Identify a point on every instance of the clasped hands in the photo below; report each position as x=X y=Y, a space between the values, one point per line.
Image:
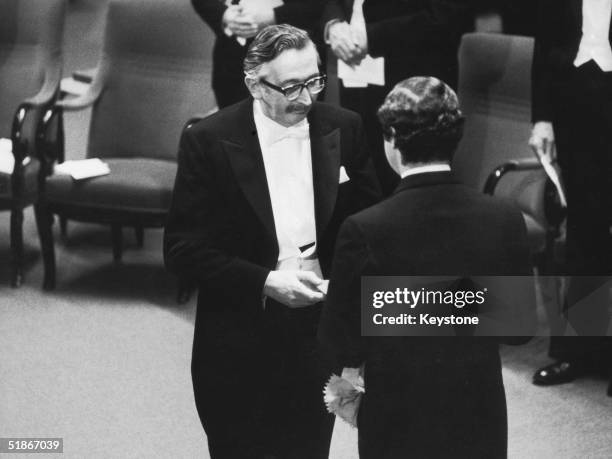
x=295 y=289
x=346 y=44
x=245 y=21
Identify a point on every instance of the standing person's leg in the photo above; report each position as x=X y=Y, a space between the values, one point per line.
x=582 y=132
x=230 y=406
x=298 y=424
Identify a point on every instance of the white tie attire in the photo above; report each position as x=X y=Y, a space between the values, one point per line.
x=358 y=25
x=288 y=165
x=426 y=169
x=595 y=41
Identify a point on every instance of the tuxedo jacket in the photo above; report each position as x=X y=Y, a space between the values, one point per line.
x=416 y=37
x=228 y=54
x=220 y=231
x=427 y=396
x=556 y=45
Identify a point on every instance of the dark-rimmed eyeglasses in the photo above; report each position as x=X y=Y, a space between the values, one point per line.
x=314 y=86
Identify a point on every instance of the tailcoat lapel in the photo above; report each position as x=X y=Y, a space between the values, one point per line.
x=245 y=157
x=325 y=152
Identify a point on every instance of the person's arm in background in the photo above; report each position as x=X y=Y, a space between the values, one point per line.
x=337 y=32
x=299 y=13
x=211 y=11
x=223 y=19
x=542 y=139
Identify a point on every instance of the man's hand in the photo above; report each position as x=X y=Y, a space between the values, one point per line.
x=343 y=45
x=240 y=25
x=259 y=17
x=542 y=141
x=295 y=289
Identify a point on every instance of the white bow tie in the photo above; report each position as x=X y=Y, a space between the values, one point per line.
x=301 y=131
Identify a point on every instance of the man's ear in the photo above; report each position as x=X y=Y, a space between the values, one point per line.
x=254 y=87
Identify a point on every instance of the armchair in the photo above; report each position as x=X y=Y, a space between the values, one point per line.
x=30 y=72
x=495 y=94
x=153 y=75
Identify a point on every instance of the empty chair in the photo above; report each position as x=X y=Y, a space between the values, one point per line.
x=495 y=94
x=30 y=72
x=152 y=77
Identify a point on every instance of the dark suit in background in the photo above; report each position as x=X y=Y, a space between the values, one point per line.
x=221 y=233
x=578 y=103
x=228 y=54
x=416 y=38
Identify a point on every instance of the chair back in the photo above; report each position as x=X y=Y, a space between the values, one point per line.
x=156 y=71
x=30 y=43
x=495 y=95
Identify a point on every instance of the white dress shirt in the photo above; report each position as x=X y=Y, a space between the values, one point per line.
x=595 y=41
x=358 y=25
x=424 y=169
x=288 y=164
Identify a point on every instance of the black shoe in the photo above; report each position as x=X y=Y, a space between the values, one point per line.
x=556 y=373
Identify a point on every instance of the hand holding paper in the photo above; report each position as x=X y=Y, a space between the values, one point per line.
x=542 y=141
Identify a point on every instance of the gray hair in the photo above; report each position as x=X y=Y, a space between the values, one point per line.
x=272 y=41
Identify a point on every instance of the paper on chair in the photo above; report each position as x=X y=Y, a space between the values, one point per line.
x=369 y=71
x=83 y=168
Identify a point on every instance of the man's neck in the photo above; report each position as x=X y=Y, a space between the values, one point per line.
x=420 y=168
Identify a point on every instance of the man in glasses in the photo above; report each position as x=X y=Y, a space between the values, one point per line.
x=261 y=189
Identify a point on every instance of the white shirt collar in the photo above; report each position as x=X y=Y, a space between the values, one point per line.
x=270 y=132
x=426 y=169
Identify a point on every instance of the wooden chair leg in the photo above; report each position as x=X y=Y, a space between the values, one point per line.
x=139 y=231
x=117 y=236
x=185 y=289
x=44 y=223
x=17 y=246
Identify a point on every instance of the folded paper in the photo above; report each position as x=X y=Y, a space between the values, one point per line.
x=83 y=169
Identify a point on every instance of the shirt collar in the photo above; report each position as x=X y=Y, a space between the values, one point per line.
x=270 y=132
x=425 y=169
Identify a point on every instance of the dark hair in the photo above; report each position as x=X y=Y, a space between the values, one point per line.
x=425 y=114
x=270 y=42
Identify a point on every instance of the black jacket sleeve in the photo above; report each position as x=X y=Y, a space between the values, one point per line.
x=211 y=11
x=196 y=244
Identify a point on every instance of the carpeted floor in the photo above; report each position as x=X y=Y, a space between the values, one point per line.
x=104 y=363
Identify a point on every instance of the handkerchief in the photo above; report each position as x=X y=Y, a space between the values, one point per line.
x=343 y=175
